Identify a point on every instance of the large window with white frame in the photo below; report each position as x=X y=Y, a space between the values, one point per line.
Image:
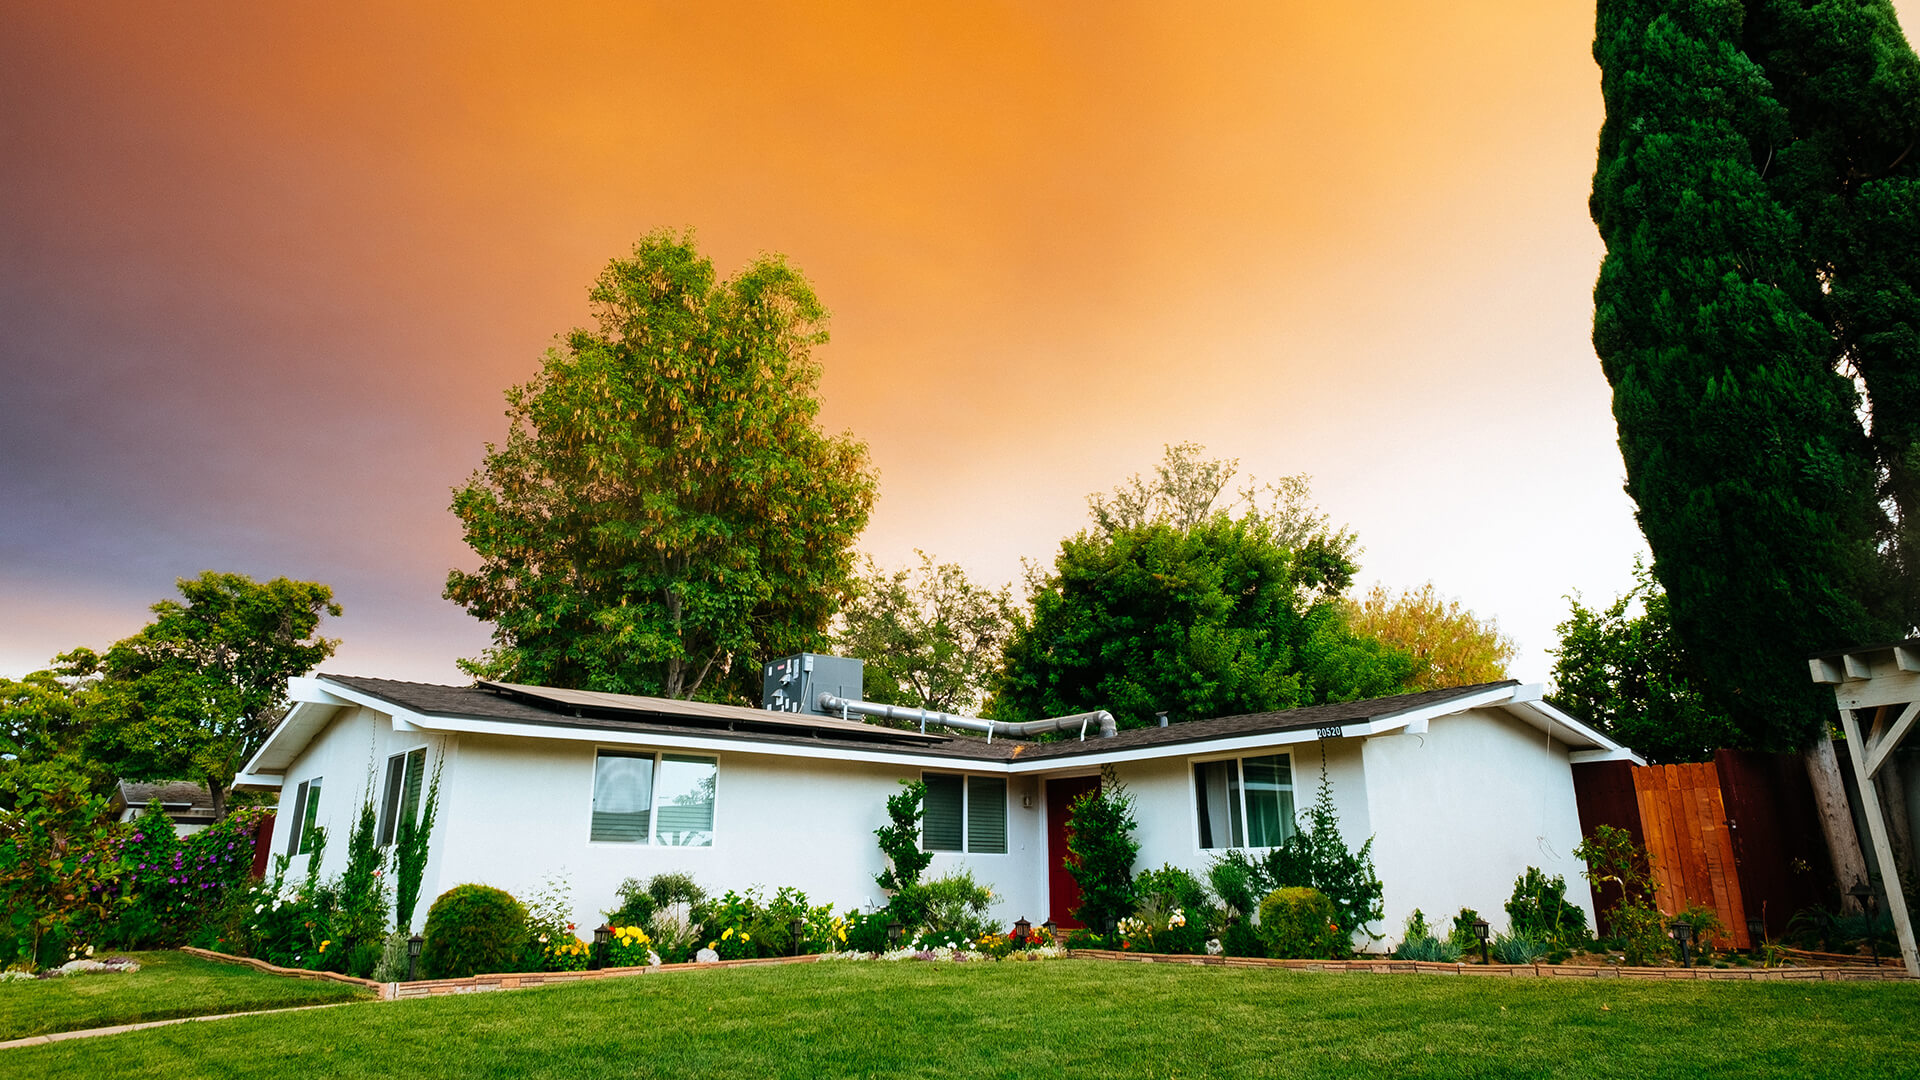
x=965 y=814
x=306 y=814
x=1244 y=802
x=406 y=773
x=648 y=797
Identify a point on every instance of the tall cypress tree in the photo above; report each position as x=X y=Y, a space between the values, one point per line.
x=1851 y=86
x=1752 y=477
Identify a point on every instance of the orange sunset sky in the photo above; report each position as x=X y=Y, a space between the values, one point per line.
x=266 y=269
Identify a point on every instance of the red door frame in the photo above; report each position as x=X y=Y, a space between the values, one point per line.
x=1063 y=893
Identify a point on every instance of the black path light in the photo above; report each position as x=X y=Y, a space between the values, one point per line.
x=893 y=933
x=602 y=935
x=1481 y=930
x=1683 y=937
x=414 y=944
x=1756 y=931
x=1021 y=928
x=1862 y=894
x=797 y=927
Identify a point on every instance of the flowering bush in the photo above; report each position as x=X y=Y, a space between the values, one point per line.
x=1152 y=929
x=165 y=887
x=743 y=925
x=630 y=947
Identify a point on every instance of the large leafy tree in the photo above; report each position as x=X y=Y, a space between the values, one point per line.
x=1185 y=608
x=929 y=636
x=197 y=692
x=1754 y=481
x=665 y=510
x=1454 y=647
x=1623 y=670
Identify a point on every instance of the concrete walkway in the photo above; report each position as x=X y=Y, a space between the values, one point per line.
x=62 y=1036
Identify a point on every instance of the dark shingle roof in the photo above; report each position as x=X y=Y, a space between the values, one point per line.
x=180 y=798
x=748 y=724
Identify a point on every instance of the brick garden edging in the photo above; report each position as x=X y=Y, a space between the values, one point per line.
x=517 y=980
x=1386 y=966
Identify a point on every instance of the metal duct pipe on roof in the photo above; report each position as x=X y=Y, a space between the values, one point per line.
x=832 y=704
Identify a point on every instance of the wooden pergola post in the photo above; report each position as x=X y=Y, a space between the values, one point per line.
x=1871 y=678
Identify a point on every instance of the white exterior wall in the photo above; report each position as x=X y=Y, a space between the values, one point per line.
x=1461 y=811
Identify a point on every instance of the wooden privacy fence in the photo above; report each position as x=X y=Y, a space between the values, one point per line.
x=1736 y=834
x=1684 y=821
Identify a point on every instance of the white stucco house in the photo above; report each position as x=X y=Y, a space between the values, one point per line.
x=1461 y=789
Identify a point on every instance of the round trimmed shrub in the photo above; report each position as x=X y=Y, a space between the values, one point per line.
x=1302 y=924
x=473 y=930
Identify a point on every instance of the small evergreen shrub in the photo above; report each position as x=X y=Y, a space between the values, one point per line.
x=1418 y=943
x=900 y=843
x=1242 y=938
x=1235 y=879
x=1299 y=923
x=473 y=930
x=1640 y=929
x=1100 y=836
x=1460 y=935
x=867 y=932
x=956 y=906
x=393 y=959
x=1516 y=949
x=1539 y=911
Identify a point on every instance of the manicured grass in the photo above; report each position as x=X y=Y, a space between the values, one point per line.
x=168 y=984
x=1057 y=1020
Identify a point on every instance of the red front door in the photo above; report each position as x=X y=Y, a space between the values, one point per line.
x=1063 y=893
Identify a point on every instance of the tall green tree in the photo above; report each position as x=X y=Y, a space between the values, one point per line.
x=1623 y=671
x=1184 y=608
x=1851 y=87
x=1754 y=483
x=665 y=511
x=1454 y=647
x=197 y=692
x=929 y=636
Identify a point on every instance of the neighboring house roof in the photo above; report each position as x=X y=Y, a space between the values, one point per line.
x=183 y=800
x=510 y=709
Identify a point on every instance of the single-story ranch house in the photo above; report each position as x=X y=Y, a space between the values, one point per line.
x=1462 y=789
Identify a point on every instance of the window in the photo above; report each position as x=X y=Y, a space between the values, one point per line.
x=306 y=811
x=1244 y=802
x=405 y=774
x=965 y=813
x=646 y=798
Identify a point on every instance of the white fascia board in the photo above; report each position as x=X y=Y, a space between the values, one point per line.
x=1582 y=740
x=258 y=781
x=456 y=725
x=1581 y=757
x=307 y=718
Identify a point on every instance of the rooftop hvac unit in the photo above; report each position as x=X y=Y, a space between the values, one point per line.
x=794 y=684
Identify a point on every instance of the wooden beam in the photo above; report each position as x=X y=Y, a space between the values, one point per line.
x=1856 y=666
x=1825 y=672
x=1906 y=658
x=1882 y=749
x=1882 y=847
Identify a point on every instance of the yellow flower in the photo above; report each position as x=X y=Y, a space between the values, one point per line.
x=746 y=937
x=727 y=934
x=324 y=944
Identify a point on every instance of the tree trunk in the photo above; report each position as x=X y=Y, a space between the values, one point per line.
x=218 y=791
x=1836 y=820
x=1893 y=803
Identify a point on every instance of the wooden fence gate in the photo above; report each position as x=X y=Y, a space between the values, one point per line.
x=1684 y=821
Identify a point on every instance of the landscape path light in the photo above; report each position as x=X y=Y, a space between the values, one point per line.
x=893 y=933
x=1683 y=936
x=1481 y=930
x=1053 y=931
x=1021 y=928
x=414 y=944
x=1756 y=930
x=601 y=936
x=1862 y=894
x=796 y=927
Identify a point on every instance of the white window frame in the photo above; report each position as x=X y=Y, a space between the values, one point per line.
x=305 y=810
x=966 y=814
x=653 y=811
x=1193 y=797
x=400 y=802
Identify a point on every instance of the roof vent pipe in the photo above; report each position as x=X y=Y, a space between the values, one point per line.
x=835 y=705
x=1162 y=716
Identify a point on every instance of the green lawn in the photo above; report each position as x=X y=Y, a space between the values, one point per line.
x=168 y=984
x=1054 y=1020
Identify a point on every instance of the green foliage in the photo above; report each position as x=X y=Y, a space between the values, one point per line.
x=1460 y=935
x=1300 y=923
x=1640 y=930
x=1175 y=906
x=168 y=889
x=410 y=852
x=1317 y=856
x=1628 y=676
x=900 y=843
x=1452 y=645
x=665 y=508
x=197 y=692
x=1177 y=601
x=867 y=932
x=1539 y=911
x=1619 y=868
x=743 y=925
x=930 y=638
x=1418 y=943
x=1237 y=881
x=473 y=930
x=1100 y=837
x=394 y=960
x=1517 y=948
x=363 y=887
x=957 y=906
x=1707 y=927
x=1754 y=480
